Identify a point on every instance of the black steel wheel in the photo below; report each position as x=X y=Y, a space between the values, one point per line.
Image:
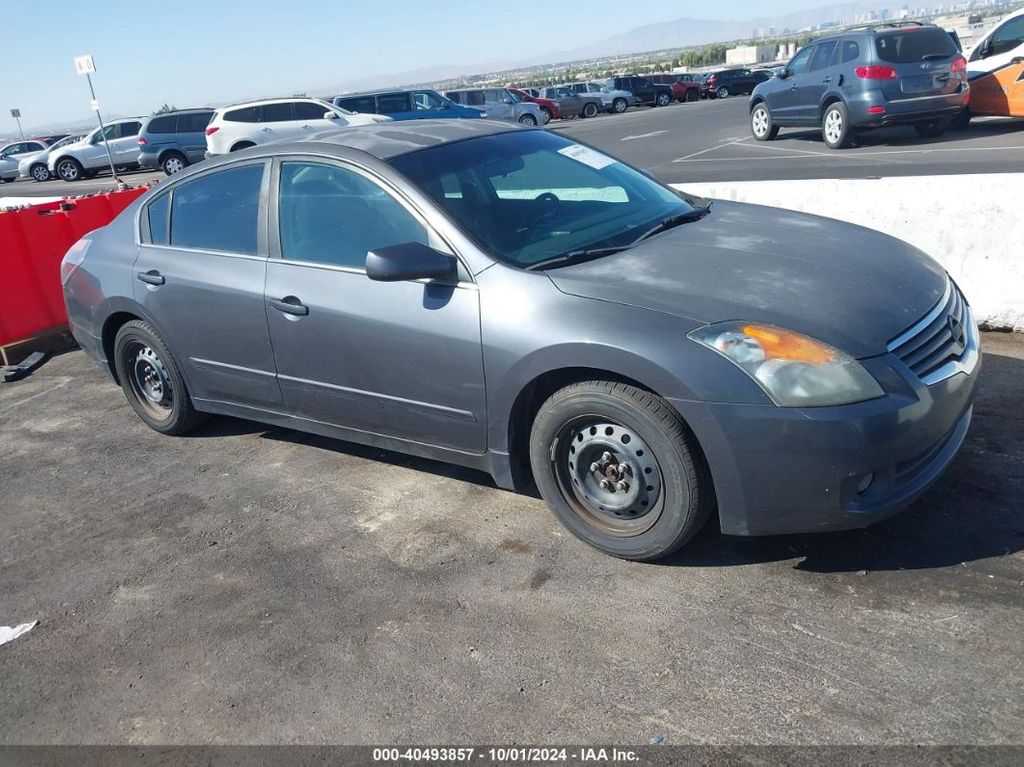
x=619 y=469
x=152 y=381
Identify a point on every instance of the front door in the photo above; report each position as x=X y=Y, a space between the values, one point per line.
x=398 y=359
x=784 y=99
x=996 y=70
x=815 y=82
x=201 y=269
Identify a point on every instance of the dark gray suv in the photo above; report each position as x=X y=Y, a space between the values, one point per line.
x=866 y=77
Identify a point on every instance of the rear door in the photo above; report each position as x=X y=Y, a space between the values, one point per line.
x=397 y=106
x=922 y=58
x=200 y=275
x=277 y=122
x=125 y=147
x=815 y=82
x=399 y=359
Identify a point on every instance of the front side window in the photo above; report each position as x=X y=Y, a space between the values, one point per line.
x=800 y=61
x=1007 y=37
x=308 y=110
x=427 y=100
x=527 y=197
x=330 y=215
x=218 y=211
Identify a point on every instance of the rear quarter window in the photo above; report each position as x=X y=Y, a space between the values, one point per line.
x=195 y=122
x=243 y=115
x=914 y=44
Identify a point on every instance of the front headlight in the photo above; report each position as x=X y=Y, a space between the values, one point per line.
x=794 y=370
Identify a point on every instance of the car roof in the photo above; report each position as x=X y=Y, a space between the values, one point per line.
x=261 y=102
x=391 y=139
x=182 y=111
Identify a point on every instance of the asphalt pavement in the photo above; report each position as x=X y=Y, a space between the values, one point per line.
x=256 y=585
x=710 y=141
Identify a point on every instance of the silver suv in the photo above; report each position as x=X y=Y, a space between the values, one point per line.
x=498 y=104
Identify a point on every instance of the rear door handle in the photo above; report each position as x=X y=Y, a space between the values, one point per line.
x=827 y=80
x=152 y=277
x=266 y=130
x=290 y=305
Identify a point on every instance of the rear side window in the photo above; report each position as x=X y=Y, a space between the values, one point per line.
x=165 y=124
x=914 y=44
x=157 y=212
x=194 y=122
x=851 y=51
x=823 y=55
x=474 y=98
x=276 y=113
x=129 y=129
x=391 y=103
x=243 y=115
x=218 y=211
x=359 y=104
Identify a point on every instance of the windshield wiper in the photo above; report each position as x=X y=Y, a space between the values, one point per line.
x=672 y=221
x=577 y=255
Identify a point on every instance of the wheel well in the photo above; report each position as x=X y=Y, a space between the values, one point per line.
x=241 y=145
x=826 y=104
x=528 y=402
x=113 y=324
x=163 y=155
x=755 y=101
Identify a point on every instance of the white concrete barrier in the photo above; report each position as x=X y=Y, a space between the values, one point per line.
x=971 y=224
x=18 y=202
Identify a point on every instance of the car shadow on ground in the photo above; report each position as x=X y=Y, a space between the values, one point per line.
x=905 y=135
x=974 y=512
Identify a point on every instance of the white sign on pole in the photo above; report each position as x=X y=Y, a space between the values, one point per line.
x=84 y=65
x=15 y=113
x=95 y=105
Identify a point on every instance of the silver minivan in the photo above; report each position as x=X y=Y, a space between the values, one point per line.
x=499 y=104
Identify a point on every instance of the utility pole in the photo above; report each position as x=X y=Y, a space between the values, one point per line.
x=16 y=114
x=84 y=65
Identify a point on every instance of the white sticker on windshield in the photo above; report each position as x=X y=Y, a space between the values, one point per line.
x=587 y=156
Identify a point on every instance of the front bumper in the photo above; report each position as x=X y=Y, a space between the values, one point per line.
x=796 y=470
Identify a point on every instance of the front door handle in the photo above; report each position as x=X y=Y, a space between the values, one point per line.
x=266 y=130
x=827 y=80
x=290 y=305
x=152 y=277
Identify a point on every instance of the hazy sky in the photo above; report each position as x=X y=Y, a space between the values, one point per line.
x=193 y=52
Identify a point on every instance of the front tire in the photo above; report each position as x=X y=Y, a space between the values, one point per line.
x=619 y=106
x=548 y=117
x=39 y=173
x=663 y=100
x=692 y=95
x=619 y=469
x=152 y=381
x=722 y=93
x=527 y=120
x=761 y=123
x=69 y=169
x=835 y=126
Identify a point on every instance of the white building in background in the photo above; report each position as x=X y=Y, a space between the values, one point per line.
x=749 y=54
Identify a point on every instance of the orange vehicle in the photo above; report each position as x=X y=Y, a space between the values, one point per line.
x=995 y=67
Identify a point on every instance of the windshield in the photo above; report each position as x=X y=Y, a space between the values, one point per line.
x=531 y=196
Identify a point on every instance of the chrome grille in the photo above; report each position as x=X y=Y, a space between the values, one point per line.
x=934 y=346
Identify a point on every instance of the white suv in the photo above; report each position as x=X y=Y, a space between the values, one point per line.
x=244 y=125
x=87 y=157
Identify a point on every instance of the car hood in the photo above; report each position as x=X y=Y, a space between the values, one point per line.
x=848 y=286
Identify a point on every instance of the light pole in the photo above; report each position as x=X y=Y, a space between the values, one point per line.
x=84 y=65
x=16 y=114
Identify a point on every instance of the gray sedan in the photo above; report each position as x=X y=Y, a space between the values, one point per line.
x=506 y=299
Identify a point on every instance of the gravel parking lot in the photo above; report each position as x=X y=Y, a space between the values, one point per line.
x=259 y=585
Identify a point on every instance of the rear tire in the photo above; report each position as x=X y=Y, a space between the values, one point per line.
x=40 y=173
x=962 y=119
x=173 y=162
x=548 y=117
x=152 y=381
x=692 y=95
x=932 y=128
x=589 y=110
x=835 y=126
x=619 y=106
x=663 y=100
x=527 y=120
x=722 y=92
x=657 y=492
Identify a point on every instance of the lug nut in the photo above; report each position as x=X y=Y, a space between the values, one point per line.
x=604 y=484
x=621 y=486
x=606 y=457
x=595 y=466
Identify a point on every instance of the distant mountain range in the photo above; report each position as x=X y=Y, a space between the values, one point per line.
x=679 y=33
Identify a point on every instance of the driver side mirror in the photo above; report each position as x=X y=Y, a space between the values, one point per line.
x=331 y=115
x=782 y=74
x=445 y=105
x=507 y=100
x=410 y=261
